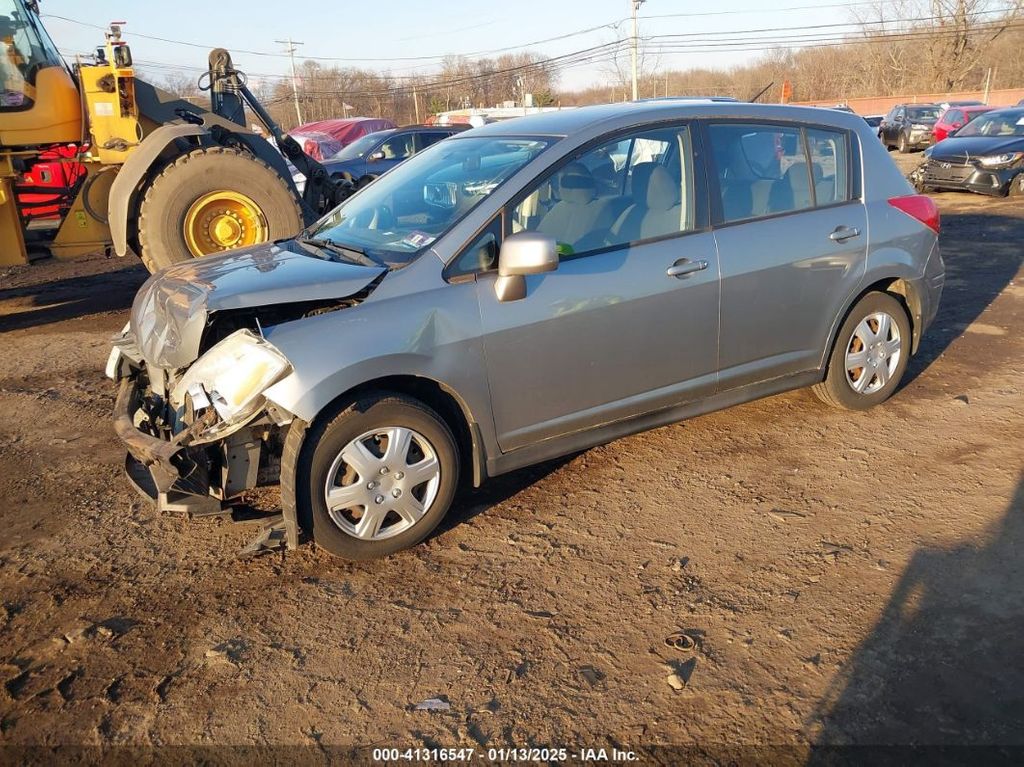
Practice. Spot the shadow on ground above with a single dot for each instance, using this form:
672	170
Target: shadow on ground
70	298
943	664
982	255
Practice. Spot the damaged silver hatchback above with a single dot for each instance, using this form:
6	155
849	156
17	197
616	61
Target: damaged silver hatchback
520	292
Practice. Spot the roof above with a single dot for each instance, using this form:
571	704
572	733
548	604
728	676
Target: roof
564	123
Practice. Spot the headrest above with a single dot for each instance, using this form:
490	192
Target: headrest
640	179
662	190
576	184
796	176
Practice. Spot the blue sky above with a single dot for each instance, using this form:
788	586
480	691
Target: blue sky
374	35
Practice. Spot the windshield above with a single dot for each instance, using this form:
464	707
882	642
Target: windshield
400	214
360	146
26	49
923	114
1009	123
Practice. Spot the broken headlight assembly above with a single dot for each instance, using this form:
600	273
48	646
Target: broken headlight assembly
231	378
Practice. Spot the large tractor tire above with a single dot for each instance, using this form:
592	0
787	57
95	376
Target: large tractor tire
211	200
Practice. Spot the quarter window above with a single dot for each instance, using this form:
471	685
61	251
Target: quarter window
635	188
829	166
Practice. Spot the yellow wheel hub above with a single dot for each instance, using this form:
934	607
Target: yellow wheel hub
223	220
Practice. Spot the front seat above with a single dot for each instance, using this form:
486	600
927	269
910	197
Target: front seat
657	210
579	213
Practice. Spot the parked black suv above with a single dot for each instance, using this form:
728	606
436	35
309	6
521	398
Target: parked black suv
909	126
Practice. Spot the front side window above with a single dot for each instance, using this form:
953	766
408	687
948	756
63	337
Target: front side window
399	215
762	170
397	147
635	188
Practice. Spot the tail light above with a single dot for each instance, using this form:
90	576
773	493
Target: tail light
919	206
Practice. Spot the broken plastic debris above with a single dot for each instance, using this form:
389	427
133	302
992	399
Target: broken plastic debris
433	704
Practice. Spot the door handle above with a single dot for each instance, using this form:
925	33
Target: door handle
844	233
685	266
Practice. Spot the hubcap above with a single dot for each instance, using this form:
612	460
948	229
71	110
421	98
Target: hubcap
382	483
873	353
223	220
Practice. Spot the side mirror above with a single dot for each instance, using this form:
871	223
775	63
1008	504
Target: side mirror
521	254
378	155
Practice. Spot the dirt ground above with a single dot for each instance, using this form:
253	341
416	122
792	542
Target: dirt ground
849	578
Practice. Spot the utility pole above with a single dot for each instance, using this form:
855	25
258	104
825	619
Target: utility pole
988	84
290	50
416	103
635	6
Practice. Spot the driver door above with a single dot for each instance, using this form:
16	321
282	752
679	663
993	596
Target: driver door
628	323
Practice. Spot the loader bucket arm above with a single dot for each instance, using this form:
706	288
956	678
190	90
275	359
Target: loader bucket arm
228	91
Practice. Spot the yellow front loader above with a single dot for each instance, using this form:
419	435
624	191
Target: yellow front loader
165	179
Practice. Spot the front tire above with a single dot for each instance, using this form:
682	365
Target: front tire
375	477
1016	186
212	200
903	146
870	354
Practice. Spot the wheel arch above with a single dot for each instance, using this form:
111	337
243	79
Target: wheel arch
900	288
128	186
441	398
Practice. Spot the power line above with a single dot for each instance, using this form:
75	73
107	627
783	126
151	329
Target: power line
436	57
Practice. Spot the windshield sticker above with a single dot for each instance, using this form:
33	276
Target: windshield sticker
418	239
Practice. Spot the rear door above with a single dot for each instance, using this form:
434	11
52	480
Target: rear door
791	236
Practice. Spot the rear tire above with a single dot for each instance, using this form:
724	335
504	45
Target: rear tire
310	465
852	387
171	194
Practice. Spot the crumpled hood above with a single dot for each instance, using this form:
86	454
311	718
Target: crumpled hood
956	148
269	274
171	309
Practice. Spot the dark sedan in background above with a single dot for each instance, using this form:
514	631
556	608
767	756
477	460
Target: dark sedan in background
985	156
376	153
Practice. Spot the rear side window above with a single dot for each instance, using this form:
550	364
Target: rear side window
829	165
762	170
768	170
426	139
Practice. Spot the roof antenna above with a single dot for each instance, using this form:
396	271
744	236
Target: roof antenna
761	92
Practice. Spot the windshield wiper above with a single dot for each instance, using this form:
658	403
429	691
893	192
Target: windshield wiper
347	252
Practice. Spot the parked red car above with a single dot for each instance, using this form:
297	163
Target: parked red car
956	117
